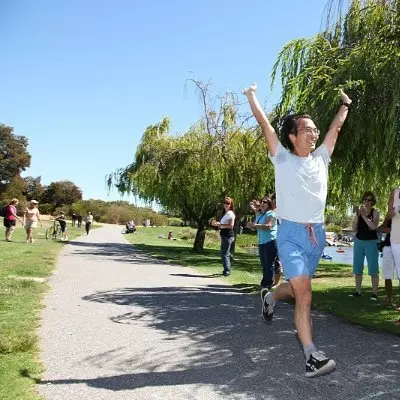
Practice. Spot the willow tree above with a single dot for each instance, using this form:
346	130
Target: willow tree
359	52
192	172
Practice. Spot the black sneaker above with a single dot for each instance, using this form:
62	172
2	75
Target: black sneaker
319	364
267	309
374	296
355	294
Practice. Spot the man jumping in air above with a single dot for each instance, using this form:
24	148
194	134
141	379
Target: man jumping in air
301	183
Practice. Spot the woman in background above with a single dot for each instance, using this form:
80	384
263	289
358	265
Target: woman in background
366	244
225	227
266	226
10	218
31	218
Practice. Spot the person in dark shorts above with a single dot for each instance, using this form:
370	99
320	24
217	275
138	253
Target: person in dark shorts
62	220
10	218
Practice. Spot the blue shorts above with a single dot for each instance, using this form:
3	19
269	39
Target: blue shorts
300	247
365	249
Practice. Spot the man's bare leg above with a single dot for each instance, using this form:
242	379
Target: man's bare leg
301	287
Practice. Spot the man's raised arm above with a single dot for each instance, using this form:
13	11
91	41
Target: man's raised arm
267	129
337	123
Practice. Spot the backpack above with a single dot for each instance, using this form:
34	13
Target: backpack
3	211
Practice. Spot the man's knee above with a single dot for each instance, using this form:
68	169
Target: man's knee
301	286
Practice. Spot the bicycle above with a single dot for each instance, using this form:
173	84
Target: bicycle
54	232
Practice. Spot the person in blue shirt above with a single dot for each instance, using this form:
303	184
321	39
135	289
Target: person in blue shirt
266	225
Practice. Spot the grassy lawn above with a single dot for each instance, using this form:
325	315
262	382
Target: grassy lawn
331	287
20	306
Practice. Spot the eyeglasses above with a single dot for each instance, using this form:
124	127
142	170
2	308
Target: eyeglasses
367	199
310	131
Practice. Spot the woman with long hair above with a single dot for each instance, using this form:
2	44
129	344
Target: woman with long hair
366	244
225	226
266	226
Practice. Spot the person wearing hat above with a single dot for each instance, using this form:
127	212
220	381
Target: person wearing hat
31	218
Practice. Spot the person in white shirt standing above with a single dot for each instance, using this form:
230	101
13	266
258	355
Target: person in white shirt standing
227	234
394	213
301	183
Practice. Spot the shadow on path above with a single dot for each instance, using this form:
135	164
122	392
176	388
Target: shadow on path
231	347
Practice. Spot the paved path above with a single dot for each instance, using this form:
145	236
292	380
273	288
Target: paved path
119	325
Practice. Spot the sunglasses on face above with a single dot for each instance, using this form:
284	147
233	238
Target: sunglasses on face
263	202
227	203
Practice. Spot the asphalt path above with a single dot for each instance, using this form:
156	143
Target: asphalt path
121	325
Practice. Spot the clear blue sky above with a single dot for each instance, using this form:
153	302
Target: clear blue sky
82	79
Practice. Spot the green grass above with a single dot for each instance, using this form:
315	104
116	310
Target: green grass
331	287
20	306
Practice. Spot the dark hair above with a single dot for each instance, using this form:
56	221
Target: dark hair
230	200
269	202
288	127
273	199
369	194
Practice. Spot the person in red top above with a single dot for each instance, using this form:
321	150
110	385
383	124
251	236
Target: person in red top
10	218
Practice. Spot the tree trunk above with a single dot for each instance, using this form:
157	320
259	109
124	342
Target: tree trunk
198	245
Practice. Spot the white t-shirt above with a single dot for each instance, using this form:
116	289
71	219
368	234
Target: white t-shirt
395	230
301	184
227	217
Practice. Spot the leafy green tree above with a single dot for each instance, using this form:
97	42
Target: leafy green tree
62	192
193	172
15	189
359	52
33	189
14	157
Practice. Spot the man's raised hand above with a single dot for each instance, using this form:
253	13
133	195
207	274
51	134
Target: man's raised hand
345	99
250	90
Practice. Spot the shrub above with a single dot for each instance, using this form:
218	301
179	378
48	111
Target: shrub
187	234
175	222
333	228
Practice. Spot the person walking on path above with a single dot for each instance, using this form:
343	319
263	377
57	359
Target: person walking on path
31	218
266	226
301	178
79	220
10	218
366	244
89	221
74	217
225	227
